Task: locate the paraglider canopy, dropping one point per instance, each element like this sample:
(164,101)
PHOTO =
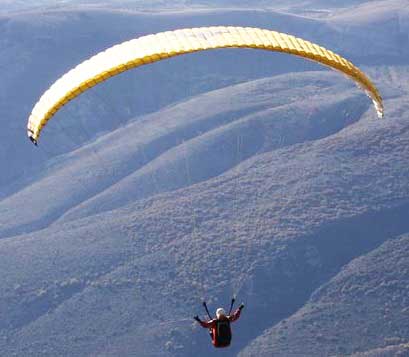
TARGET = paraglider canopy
(152,48)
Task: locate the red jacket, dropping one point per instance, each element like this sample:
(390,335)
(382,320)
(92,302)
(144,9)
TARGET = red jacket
(212,325)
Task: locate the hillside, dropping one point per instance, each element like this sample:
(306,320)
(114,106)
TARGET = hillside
(30,54)
(268,177)
(27,48)
(293,239)
(364,305)
(183,144)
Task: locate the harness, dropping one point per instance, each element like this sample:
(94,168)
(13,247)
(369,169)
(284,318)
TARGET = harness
(223,333)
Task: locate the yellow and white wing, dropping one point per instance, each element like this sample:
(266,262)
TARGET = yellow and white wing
(152,48)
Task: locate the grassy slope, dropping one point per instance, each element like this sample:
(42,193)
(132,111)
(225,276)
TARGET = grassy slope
(363,308)
(91,279)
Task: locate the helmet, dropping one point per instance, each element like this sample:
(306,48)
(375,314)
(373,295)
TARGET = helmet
(220,312)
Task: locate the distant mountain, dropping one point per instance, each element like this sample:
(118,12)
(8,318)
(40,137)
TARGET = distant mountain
(16,5)
(37,47)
